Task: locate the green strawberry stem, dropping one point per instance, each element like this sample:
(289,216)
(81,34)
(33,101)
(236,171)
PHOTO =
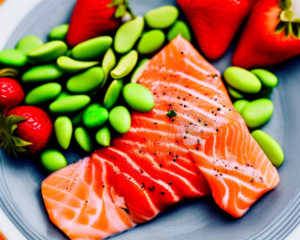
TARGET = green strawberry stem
(289,18)
(8,141)
(9,72)
(122,8)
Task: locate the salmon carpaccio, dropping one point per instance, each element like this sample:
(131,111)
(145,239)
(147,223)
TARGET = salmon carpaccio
(205,149)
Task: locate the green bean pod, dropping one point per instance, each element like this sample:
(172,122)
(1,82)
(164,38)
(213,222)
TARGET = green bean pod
(92,49)
(43,93)
(125,65)
(53,160)
(28,43)
(70,65)
(48,52)
(112,94)
(128,34)
(63,130)
(120,119)
(86,81)
(103,137)
(59,32)
(44,73)
(83,139)
(69,104)
(12,58)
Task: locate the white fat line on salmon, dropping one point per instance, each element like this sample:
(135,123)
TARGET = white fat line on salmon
(192,92)
(196,67)
(207,129)
(225,199)
(183,75)
(137,168)
(151,203)
(246,171)
(150,157)
(62,191)
(146,154)
(130,178)
(62,204)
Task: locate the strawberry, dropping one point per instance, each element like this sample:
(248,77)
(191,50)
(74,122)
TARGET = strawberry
(215,22)
(272,34)
(32,127)
(11,92)
(93,18)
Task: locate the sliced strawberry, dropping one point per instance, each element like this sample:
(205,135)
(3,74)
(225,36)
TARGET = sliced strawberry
(272,34)
(215,22)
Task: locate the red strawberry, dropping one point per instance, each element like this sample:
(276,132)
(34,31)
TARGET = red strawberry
(93,18)
(32,126)
(11,92)
(215,22)
(272,34)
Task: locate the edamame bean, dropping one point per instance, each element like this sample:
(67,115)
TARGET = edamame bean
(70,65)
(162,17)
(12,58)
(113,93)
(42,73)
(43,93)
(120,119)
(92,49)
(128,34)
(234,93)
(83,139)
(151,42)
(125,65)
(240,104)
(267,78)
(181,28)
(138,97)
(86,81)
(139,71)
(270,147)
(53,160)
(257,112)
(108,63)
(103,137)
(27,44)
(59,32)
(69,104)
(63,130)
(62,95)
(95,117)
(48,52)
(242,80)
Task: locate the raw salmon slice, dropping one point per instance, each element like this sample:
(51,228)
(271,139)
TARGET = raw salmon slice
(206,148)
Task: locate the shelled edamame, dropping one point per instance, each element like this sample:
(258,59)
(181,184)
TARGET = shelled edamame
(243,86)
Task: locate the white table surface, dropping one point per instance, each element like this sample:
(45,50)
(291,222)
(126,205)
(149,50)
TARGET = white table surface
(11,13)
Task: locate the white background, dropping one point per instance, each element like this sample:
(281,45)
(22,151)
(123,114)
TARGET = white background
(11,13)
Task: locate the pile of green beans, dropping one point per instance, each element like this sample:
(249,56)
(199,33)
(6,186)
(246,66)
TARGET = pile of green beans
(90,89)
(250,92)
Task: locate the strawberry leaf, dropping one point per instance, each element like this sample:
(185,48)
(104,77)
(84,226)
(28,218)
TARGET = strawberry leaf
(20,142)
(13,128)
(9,72)
(115,3)
(280,27)
(285,4)
(121,10)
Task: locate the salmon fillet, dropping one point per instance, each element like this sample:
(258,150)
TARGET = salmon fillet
(205,149)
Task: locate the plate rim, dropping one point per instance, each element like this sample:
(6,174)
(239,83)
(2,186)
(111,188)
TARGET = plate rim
(281,226)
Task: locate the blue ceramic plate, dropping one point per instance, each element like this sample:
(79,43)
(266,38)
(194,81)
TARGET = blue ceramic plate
(273,217)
